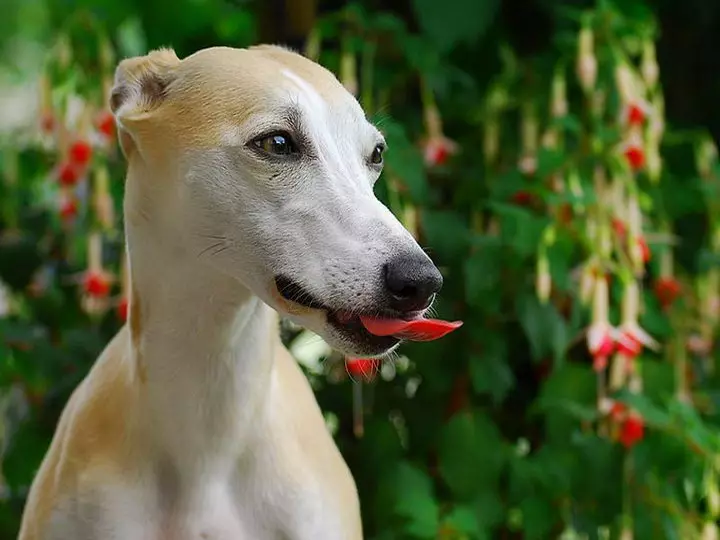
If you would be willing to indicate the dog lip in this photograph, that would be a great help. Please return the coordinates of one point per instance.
(292, 291)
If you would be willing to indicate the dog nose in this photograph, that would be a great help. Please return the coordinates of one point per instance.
(411, 282)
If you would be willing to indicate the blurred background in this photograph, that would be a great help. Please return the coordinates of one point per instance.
(557, 158)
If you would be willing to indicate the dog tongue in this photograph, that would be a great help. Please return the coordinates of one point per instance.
(415, 330)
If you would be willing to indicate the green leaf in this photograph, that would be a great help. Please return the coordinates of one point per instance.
(521, 229)
(548, 161)
(463, 519)
(568, 394)
(472, 454)
(482, 276)
(538, 517)
(415, 501)
(404, 160)
(447, 234)
(450, 24)
(651, 413)
(489, 370)
(545, 328)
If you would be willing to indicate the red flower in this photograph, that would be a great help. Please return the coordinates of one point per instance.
(96, 284)
(68, 209)
(600, 344)
(619, 227)
(106, 124)
(362, 367)
(617, 410)
(122, 310)
(667, 290)
(522, 198)
(68, 174)
(644, 249)
(632, 430)
(438, 150)
(629, 345)
(635, 156)
(80, 153)
(635, 114)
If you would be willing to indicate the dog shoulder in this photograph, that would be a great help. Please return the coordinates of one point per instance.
(88, 446)
(312, 449)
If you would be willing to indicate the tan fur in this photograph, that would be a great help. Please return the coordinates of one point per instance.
(196, 422)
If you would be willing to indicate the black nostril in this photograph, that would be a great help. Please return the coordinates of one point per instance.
(411, 282)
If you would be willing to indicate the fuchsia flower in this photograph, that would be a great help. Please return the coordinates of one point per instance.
(601, 334)
(366, 368)
(437, 150)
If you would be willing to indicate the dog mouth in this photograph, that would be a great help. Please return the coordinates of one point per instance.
(375, 332)
(349, 325)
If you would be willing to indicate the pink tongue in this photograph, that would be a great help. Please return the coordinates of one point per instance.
(416, 330)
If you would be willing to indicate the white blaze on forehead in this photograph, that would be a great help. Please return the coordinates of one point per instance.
(316, 105)
(314, 100)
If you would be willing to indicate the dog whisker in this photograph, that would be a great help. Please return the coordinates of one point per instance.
(210, 248)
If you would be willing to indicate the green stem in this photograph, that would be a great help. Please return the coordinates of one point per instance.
(11, 203)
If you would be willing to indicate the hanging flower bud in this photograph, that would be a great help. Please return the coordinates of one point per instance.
(491, 140)
(410, 220)
(559, 103)
(529, 130)
(587, 281)
(706, 156)
(103, 202)
(649, 66)
(587, 65)
(625, 82)
(543, 284)
(710, 531)
(312, 44)
(437, 148)
(348, 71)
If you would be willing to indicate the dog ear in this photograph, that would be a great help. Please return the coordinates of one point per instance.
(139, 87)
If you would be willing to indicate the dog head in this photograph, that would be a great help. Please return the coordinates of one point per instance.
(260, 163)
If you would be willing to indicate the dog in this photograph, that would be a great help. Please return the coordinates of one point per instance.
(249, 195)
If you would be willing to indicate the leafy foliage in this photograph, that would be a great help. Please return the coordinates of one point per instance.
(534, 186)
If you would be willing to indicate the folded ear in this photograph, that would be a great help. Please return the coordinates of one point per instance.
(139, 87)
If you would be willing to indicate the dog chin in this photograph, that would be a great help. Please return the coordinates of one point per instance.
(349, 338)
(357, 342)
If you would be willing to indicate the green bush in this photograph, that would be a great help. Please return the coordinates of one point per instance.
(577, 230)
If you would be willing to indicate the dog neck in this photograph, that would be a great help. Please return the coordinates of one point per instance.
(202, 345)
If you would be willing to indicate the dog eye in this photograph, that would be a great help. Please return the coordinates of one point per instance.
(280, 144)
(376, 158)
